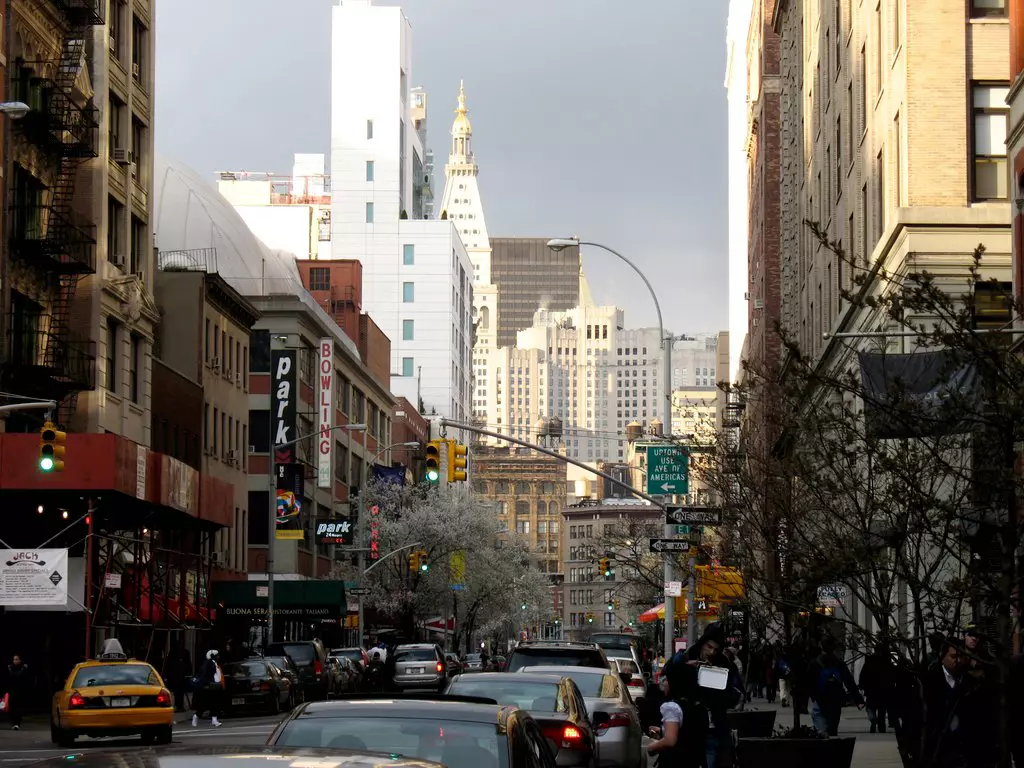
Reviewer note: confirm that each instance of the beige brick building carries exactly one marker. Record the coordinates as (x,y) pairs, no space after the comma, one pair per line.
(893,140)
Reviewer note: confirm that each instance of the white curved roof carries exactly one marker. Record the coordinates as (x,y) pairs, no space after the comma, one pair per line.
(192,215)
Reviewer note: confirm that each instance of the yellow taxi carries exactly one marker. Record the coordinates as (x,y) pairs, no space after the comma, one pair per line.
(112,696)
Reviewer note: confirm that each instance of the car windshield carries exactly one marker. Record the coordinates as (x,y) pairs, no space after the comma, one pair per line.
(455,743)
(301,653)
(554,657)
(347,653)
(246,669)
(415,654)
(612,641)
(626,665)
(595,686)
(116,674)
(534,697)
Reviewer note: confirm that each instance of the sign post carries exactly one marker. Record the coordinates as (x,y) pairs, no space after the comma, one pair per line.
(668,468)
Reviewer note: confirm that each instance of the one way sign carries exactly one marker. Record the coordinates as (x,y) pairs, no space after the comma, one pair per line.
(692,515)
(669,545)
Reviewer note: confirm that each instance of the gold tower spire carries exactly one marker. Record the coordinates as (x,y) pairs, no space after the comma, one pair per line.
(462,126)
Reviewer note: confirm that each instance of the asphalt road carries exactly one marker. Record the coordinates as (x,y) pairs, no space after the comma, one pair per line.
(32,743)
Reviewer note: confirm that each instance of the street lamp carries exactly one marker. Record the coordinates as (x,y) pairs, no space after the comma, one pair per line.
(360,513)
(559,244)
(14,109)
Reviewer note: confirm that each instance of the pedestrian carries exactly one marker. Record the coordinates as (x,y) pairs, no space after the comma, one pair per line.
(876,681)
(771,686)
(669,747)
(179,670)
(782,673)
(830,686)
(19,685)
(210,693)
(755,674)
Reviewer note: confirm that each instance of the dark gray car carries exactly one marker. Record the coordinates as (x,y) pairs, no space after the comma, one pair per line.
(310,660)
(220,757)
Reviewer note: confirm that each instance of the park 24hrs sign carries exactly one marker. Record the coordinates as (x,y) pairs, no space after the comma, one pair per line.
(337,531)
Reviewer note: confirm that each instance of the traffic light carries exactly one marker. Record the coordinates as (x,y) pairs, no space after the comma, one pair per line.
(414,560)
(590,618)
(605,566)
(611,605)
(423,561)
(522,607)
(434,461)
(51,448)
(458,460)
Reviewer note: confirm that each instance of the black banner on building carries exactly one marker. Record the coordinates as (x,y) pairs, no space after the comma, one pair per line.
(284,401)
(337,531)
(290,479)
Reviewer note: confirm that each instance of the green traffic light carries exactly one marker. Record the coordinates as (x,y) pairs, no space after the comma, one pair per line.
(46,464)
(424,566)
(522,607)
(433,475)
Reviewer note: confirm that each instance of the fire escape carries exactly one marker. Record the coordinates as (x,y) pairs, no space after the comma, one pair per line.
(46,357)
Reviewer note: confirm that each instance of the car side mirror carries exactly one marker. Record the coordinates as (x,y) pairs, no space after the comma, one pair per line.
(600,719)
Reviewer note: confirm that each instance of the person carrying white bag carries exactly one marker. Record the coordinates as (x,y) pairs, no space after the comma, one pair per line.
(209,695)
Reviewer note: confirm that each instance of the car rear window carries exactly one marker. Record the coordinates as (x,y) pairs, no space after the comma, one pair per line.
(301,653)
(353,654)
(554,657)
(115,674)
(595,686)
(455,743)
(533,697)
(415,654)
(612,641)
(246,669)
(626,665)
(473,657)
(281,662)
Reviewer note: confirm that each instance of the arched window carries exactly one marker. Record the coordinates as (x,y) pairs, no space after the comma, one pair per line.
(501,486)
(522,487)
(542,508)
(522,509)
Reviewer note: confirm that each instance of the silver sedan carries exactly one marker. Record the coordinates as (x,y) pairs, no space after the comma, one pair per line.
(620,739)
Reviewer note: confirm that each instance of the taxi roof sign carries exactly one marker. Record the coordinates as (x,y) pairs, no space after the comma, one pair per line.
(112,650)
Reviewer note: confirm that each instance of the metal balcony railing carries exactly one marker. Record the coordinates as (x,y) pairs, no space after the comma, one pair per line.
(82,13)
(44,235)
(66,360)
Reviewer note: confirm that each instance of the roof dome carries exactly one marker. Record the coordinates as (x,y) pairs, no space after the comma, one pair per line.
(462,126)
(191,215)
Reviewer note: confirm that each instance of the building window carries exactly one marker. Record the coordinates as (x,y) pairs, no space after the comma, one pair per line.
(115,232)
(369,213)
(136,371)
(116,120)
(319,279)
(408,367)
(369,129)
(408,254)
(138,149)
(408,292)
(988,8)
(880,202)
(369,170)
(140,38)
(991,117)
(113,335)
(408,327)
(140,244)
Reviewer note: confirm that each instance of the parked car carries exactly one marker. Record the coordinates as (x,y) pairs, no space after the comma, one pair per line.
(356,654)
(459,733)
(473,662)
(420,665)
(257,684)
(310,659)
(181,756)
(351,675)
(637,685)
(286,667)
(611,708)
(556,654)
(624,645)
(451,660)
(553,701)
(499,663)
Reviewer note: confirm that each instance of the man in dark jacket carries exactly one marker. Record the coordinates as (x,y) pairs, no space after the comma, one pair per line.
(876,680)
(829,685)
(19,684)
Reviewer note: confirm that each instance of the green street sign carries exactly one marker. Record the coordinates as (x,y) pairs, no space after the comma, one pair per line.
(668,469)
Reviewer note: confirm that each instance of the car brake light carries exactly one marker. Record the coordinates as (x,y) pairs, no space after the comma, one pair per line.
(572,737)
(318,668)
(440,667)
(265,686)
(163,699)
(76,700)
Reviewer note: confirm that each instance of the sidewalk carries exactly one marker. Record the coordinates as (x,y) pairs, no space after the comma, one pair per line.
(873,750)
(42,722)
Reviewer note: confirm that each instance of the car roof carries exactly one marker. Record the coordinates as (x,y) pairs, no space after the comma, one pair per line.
(232,757)
(528,677)
(550,669)
(416,645)
(428,708)
(555,644)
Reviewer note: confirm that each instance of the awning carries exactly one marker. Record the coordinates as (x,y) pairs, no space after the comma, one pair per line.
(719,584)
(438,625)
(306,600)
(657,613)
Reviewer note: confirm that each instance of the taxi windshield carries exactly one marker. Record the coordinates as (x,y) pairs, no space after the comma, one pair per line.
(115,674)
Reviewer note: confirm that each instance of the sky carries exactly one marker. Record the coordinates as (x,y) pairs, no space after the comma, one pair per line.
(600,118)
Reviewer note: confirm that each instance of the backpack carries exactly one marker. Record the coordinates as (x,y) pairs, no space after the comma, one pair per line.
(831,688)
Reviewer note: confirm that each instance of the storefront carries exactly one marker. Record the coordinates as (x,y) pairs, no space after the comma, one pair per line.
(303,610)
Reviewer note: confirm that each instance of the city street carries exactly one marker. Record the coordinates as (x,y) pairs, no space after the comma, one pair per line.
(32,742)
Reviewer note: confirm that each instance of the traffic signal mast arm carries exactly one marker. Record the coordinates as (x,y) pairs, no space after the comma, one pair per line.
(391,554)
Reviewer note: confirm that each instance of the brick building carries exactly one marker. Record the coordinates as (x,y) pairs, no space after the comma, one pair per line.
(1015,139)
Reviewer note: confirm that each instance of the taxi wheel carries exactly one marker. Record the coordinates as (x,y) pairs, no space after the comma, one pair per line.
(163,734)
(60,737)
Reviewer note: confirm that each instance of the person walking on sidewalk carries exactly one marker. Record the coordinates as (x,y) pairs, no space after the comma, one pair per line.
(19,684)
(210,693)
(830,686)
(876,681)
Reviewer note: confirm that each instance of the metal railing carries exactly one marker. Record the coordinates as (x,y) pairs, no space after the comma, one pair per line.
(65,359)
(41,233)
(191,260)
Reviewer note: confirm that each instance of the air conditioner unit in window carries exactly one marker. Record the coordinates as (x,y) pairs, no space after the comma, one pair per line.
(215,363)
(238,378)
(133,169)
(758,303)
(746,296)
(252,449)
(118,260)
(113,44)
(135,70)
(122,156)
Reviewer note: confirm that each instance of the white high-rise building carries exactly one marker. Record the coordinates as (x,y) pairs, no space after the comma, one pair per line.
(417,276)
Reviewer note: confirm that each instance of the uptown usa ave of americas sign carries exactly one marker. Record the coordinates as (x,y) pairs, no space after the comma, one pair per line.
(668,468)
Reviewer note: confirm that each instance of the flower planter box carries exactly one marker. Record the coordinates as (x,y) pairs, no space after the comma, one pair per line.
(795,753)
(751,723)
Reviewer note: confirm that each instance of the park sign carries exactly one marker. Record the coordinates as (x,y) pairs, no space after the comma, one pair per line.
(668,469)
(692,516)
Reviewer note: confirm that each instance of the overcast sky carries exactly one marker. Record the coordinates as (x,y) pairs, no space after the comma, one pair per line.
(603,118)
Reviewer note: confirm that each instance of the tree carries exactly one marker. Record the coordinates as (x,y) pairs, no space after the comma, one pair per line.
(446,521)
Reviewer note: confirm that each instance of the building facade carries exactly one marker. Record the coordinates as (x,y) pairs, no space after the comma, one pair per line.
(1015,139)
(417,273)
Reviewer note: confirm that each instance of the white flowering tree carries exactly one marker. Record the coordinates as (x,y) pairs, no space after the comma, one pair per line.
(496,577)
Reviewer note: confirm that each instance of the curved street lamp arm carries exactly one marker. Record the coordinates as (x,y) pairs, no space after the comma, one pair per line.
(635,268)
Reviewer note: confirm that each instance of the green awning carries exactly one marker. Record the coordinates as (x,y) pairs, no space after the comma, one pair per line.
(287,594)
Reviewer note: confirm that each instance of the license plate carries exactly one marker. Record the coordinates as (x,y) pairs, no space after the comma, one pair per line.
(237,702)
(120,702)
(418,671)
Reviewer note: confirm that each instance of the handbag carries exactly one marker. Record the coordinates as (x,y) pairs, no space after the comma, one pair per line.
(5,703)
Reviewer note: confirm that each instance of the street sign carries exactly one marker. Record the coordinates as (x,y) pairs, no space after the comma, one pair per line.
(686,530)
(692,515)
(669,545)
(832,595)
(673,589)
(668,468)
(358,591)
